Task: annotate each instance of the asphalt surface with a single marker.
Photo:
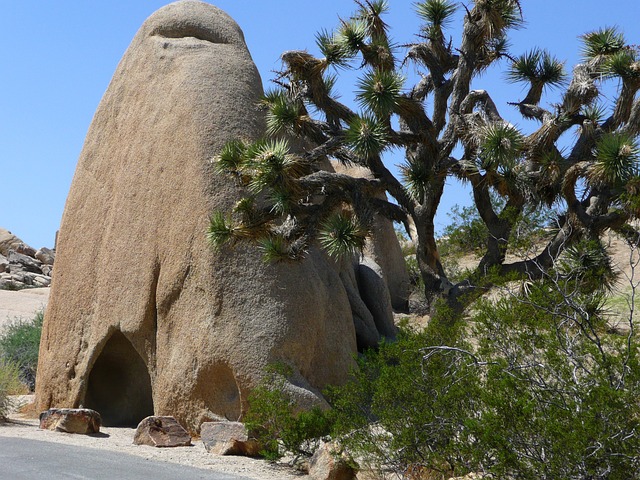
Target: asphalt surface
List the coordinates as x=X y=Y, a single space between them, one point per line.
x=22 y=459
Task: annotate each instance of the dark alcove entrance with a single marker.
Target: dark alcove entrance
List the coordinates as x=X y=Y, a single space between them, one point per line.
x=119 y=387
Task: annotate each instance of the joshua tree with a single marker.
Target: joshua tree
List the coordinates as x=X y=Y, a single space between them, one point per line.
x=445 y=129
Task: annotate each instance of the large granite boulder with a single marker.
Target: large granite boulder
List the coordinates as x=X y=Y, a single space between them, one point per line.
x=144 y=318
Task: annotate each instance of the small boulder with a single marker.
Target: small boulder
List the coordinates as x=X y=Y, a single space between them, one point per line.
x=47 y=270
x=161 y=432
x=4 y=263
x=330 y=462
x=228 y=438
x=71 y=420
x=46 y=256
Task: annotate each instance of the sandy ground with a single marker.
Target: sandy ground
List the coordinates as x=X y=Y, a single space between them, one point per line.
x=21 y=304
x=120 y=440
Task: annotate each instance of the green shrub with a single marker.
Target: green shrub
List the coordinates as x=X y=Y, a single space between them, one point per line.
x=20 y=343
x=9 y=385
x=407 y=407
x=539 y=390
x=276 y=421
x=561 y=394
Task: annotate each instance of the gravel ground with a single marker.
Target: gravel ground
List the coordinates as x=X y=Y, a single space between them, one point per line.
x=120 y=440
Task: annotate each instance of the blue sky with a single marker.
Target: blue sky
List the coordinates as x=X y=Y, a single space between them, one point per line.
x=57 y=58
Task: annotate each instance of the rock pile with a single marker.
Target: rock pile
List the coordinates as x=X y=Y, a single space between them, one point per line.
x=22 y=266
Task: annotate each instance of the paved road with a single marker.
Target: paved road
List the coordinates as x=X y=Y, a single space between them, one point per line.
x=22 y=459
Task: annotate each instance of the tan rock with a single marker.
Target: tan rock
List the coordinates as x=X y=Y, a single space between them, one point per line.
x=383 y=248
x=375 y=294
x=329 y=462
x=228 y=438
x=46 y=256
x=144 y=318
x=71 y=420
x=8 y=241
x=161 y=432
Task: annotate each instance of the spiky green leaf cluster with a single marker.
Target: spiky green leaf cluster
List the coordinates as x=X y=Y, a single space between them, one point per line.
x=498 y=16
x=624 y=64
x=353 y=35
x=370 y=12
x=616 y=159
x=602 y=42
x=231 y=157
x=271 y=165
x=221 y=229
x=437 y=14
x=595 y=113
x=274 y=249
x=265 y=167
x=366 y=136
x=537 y=66
x=501 y=144
x=333 y=48
x=379 y=91
x=283 y=113
x=416 y=176
x=589 y=263
x=342 y=234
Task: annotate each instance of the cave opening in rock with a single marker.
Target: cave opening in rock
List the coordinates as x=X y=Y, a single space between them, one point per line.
x=119 y=386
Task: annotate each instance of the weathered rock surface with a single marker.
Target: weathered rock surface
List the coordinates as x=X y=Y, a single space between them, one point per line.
x=46 y=256
x=161 y=432
x=8 y=241
x=71 y=420
x=20 y=266
x=375 y=294
x=228 y=438
x=195 y=333
x=384 y=249
x=330 y=463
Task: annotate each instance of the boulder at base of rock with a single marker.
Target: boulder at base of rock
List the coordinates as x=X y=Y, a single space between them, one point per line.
x=228 y=438
x=161 y=432
x=329 y=462
x=71 y=420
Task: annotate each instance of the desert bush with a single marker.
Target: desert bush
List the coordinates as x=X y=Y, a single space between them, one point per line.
x=534 y=387
x=9 y=385
x=277 y=422
x=20 y=343
x=560 y=394
x=406 y=409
